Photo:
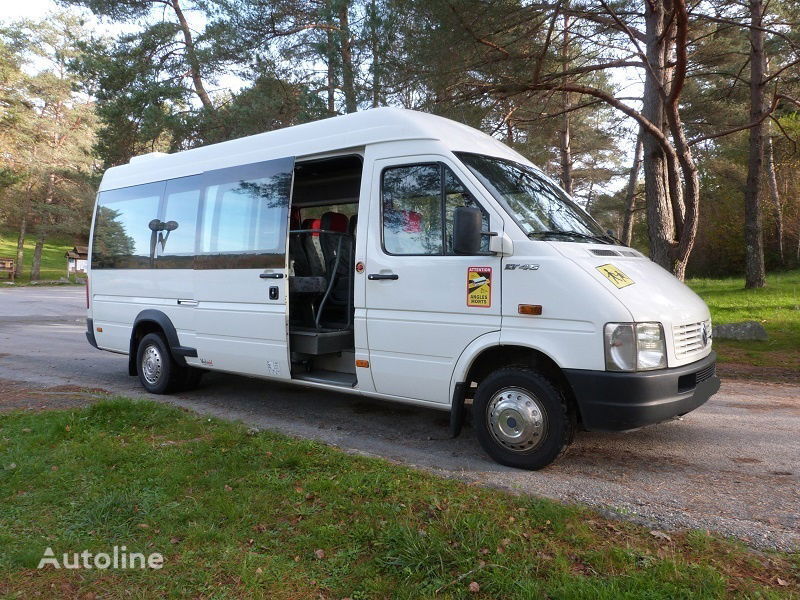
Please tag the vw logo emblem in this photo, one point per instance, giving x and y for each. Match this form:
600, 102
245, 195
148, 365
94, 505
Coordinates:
704, 334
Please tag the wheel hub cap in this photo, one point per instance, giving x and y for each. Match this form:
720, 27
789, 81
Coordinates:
517, 419
151, 365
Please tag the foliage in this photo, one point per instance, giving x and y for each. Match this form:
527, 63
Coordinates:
776, 307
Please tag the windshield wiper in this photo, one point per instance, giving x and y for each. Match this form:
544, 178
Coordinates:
574, 234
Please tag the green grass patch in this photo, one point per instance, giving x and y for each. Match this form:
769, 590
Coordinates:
54, 265
240, 515
776, 306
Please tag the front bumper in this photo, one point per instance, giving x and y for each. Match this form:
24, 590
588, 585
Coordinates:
611, 401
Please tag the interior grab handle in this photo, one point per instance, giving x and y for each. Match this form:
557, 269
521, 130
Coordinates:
381, 276
271, 275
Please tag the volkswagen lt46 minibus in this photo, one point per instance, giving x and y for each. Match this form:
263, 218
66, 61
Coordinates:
395, 255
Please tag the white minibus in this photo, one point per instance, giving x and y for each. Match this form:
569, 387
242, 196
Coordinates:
395, 255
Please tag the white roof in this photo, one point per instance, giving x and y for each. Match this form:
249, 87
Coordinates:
337, 133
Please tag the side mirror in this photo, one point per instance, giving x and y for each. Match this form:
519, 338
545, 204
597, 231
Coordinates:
467, 225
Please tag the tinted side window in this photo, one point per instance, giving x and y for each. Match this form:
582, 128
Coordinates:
416, 199
123, 238
244, 215
412, 213
179, 211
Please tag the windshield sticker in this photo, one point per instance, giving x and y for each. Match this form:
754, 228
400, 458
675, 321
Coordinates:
479, 286
615, 276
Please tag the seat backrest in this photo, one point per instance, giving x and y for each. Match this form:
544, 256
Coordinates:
311, 243
299, 265
352, 225
331, 221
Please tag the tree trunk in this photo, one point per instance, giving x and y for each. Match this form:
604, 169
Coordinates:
630, 195
23, 226
660, 222
331, 87
348, 75
564, 135
191, 54
755, 276
375, 48
774, 194
37, 258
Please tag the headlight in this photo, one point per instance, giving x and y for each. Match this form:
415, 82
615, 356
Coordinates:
635, 347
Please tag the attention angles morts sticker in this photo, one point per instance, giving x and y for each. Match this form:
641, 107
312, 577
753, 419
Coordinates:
479, 286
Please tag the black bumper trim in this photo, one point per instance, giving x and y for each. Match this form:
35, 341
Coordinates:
620, 401
90, 333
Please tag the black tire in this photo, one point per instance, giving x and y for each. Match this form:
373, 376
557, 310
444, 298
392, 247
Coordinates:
556, 427
191, 378
161, 375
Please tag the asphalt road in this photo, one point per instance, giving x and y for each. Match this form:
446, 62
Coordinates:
732, 466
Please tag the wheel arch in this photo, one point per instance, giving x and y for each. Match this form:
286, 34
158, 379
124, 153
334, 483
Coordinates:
481, 359
155, 321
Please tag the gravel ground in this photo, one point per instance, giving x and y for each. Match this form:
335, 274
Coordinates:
731, 467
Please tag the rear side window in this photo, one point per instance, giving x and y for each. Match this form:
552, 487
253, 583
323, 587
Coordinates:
123, 238
179, 213
227, 218
245, 215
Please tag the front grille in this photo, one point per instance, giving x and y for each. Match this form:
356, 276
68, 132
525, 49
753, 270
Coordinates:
692, 380
688, 338
706, 373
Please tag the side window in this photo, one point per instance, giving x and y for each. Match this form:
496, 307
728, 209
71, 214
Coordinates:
123, 238
456, 195
418, 206
412, 214
245, 212
178, 228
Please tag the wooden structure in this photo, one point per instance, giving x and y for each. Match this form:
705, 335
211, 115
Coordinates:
76, 260
7, 265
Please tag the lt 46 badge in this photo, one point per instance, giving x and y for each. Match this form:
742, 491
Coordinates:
479, 286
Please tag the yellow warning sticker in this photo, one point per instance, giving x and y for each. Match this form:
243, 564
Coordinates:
615, 276
479, 286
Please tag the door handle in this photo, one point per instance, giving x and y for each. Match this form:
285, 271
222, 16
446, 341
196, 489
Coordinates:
188, 302
271, 275
382, 276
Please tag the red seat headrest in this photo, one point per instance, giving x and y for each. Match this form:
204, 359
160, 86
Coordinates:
333, 221
412, 221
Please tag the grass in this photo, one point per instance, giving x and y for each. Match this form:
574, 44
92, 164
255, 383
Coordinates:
239, 514
54, 265
777, 307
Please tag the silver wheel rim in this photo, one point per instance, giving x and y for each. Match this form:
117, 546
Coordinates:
151, 364
517, 419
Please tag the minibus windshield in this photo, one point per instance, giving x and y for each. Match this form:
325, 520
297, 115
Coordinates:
542, 209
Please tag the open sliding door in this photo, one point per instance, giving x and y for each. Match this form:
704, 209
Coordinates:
241, 270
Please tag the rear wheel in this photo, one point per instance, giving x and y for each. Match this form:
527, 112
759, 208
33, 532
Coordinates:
157, 370
521, 419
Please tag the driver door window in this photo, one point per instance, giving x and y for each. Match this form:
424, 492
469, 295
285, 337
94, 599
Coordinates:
418, 204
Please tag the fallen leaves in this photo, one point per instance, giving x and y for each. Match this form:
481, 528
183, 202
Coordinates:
474, 587
319, 554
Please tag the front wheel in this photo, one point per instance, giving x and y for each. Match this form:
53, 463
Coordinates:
521, 419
